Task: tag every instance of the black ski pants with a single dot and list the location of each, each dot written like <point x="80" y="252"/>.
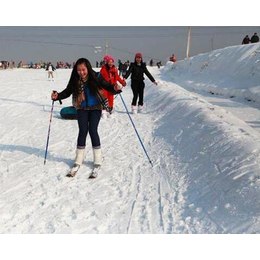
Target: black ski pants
<point x="138" y="92"/>
<point x="88" y="121"/>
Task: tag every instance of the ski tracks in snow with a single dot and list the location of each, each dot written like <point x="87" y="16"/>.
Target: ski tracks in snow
<point x="129" y="196"/>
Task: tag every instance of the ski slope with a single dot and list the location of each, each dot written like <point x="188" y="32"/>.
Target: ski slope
<point x="205" y="177"/>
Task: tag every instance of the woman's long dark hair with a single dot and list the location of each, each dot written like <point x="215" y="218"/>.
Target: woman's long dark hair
<point x="92" y="78"/>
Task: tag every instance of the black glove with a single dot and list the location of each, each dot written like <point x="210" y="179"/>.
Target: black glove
<point x="57" y="99"/>
<point x="113" y="91"/>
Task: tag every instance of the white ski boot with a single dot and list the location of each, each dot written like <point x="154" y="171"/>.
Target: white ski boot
<point x="97" y="163"/>
<point x="140" y="109"/>
<point x="134" y="109"/>
<point x="94" y="172"/>
<point x="78" y="162"/>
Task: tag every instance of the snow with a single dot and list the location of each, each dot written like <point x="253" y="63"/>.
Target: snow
<point x="233" y="71"/>
<point x="206" y="158"/>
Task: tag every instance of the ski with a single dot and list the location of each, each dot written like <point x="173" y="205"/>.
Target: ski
<point x="72" y="173"/>
<point x="95" y="171"/>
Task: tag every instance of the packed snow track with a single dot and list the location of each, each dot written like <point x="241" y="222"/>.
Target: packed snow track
<point x="205" y="177"/>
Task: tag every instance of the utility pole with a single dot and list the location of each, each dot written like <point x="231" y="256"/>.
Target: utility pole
<point x="106" y="46"/>
<point x="188" y="42"/>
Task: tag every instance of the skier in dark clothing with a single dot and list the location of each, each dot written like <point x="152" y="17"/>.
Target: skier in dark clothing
<point x="137" y="69"/>
<point x="124" y="69"/>
<point x="151" y="62"/>
<point x="255" y="38"/>
<point x="86" y="85"/>
<point x="120" y="68"/>
<point x="246" y="40"/>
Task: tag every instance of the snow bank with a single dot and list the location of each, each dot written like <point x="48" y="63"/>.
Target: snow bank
<point x="232" y="71"/>
<point x="217" y="157"/>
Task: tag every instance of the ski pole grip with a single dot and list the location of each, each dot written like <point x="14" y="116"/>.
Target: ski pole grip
<point x="54" y="91"/>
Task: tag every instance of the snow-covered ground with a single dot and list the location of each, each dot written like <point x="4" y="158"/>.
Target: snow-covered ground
<point x="233" y="71"/>
<point x="229" y="78"/>
<point x="205" y="177"/>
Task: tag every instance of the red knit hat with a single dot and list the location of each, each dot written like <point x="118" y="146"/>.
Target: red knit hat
<point x="105" y="58"/>
<point x="110" y="58"/>
<point x="138" y="55"/>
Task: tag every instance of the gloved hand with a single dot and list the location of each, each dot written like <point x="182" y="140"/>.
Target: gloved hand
<point x="54" y="96"/>
<point x="117" y="87"/>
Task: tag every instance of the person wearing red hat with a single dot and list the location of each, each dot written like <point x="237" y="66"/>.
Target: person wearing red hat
<point x="110" y="73"/>
<point x="137" y="70"/>
<point x="105" y="59"/>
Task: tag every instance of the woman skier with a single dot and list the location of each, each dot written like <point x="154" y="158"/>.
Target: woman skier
<point x="138" y="69"/>
<point x="110" y="73"/>
<point x="86" y="85"/>
<point x="50" y="68"/>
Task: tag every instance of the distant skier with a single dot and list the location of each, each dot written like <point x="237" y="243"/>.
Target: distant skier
<point x="50" y="68"/>
<point x="246" y="40"/>
<point x="137" y="70"/>
<point x="120" y="68"/>
<point x="86" y="88"/>
<point x="173" y="58"/>
<point x="110" y="73"/>
<point x="254" y="38"/>
<point x="124" y="69"/>
<point x="151" y="62"/>
<point x="20" y="64"/>
<point x="159" y="64"/>
<point x="11" y="64"/>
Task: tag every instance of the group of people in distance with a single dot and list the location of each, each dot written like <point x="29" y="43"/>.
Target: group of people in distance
<point x="253" y="39"/>
<point x="93" y="95"/>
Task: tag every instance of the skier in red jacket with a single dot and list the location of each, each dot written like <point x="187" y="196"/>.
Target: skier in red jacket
<point x="173" y="58"/>
<point x="110" y="73"/>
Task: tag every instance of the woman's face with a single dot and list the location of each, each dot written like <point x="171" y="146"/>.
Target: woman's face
<point x="138" y="59"/>
<point x="110" y="63"/>
<point x="82" y="70"/>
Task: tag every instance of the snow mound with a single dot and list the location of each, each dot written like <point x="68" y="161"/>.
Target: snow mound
<point x="232" y="71"/>
<point x="217" y="156"/>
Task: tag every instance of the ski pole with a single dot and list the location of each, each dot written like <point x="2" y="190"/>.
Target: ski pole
<point x="48" y="136"/>
<point x="136" y="130"/>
